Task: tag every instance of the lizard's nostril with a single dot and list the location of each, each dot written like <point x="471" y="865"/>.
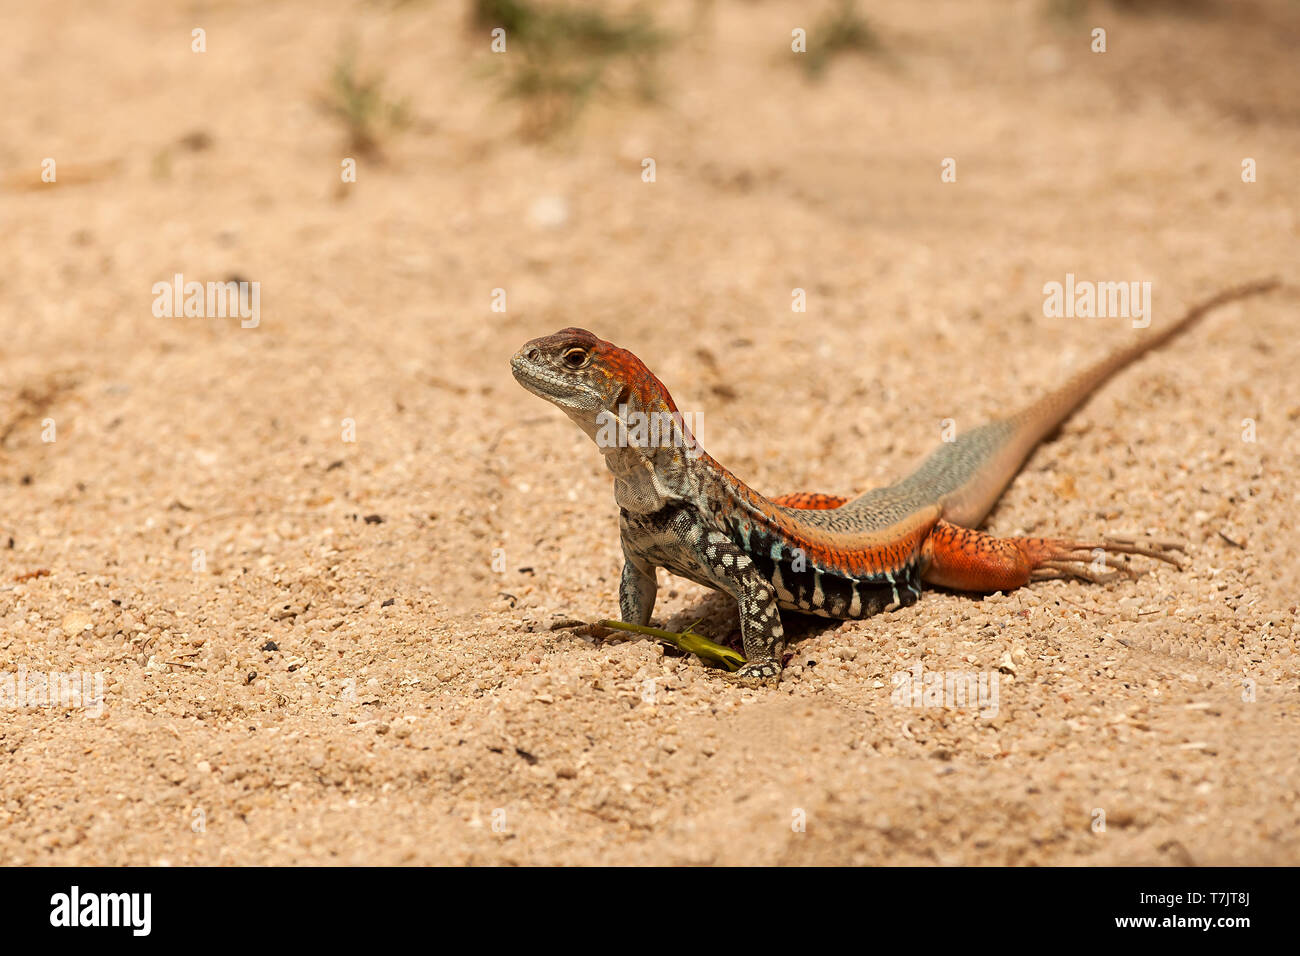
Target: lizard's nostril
<point x="534" y="355"/>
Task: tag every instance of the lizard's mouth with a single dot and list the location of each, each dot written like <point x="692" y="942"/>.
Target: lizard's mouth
<point x="543" y="382"/>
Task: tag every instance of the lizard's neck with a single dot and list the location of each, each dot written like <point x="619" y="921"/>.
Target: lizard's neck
<point x="652" y="452"/>
<point x="648" y="480"/>
<point x="639" y="486"/>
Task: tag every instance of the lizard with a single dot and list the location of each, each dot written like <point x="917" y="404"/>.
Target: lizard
<point x="827" y="555"/>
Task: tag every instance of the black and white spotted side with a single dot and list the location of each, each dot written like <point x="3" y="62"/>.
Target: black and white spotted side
<point x="803" y="586"/>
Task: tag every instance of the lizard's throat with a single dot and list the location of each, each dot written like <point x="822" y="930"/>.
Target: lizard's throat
<point x="646" y="479"/>
<point x="645" y="484"/>
<point x="652" y="454"/>
<point x="661" y="434"/>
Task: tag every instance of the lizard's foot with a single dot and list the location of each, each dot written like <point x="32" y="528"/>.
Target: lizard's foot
<point x="758" y="673"/>
<point x="1088" y="561"/>
<point x="969" y="560"/>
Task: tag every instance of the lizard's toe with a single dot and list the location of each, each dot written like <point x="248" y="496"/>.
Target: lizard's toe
<point x="758" y="674"/>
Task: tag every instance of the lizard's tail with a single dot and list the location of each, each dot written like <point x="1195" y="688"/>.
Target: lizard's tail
<point x="1044" y="416"/>
<point x="997" y="451"/>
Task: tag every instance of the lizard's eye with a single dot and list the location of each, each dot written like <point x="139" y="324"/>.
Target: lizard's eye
<point x="575" y="358"/>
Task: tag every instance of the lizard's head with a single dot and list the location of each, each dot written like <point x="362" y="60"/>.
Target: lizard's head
<point x="570" y="369"/>
<point x="586" y="376"/>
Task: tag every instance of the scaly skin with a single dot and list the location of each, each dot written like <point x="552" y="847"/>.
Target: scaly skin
<point x="820" y="554"/>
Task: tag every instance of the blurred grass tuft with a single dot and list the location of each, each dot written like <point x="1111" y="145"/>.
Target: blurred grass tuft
<point x="843" y="30"/>
<point x="558" y="57"/>
<point x="360" y="104"/>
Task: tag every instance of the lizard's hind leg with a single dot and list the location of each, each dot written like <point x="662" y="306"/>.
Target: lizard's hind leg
<point x="968" y="560"/>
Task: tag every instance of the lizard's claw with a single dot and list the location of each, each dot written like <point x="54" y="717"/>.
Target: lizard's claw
<point x="1148" y="547"/>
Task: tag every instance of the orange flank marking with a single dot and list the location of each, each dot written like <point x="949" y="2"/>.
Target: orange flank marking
<point x="810" y="501"/>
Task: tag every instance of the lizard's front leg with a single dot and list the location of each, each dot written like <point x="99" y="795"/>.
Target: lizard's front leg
<point x="734" y="572"/>
<point x="760" y="626"/>
<point x="636" y="590"/>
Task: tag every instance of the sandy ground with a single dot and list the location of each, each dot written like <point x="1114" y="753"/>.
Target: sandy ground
<point x="200" y="503"/>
